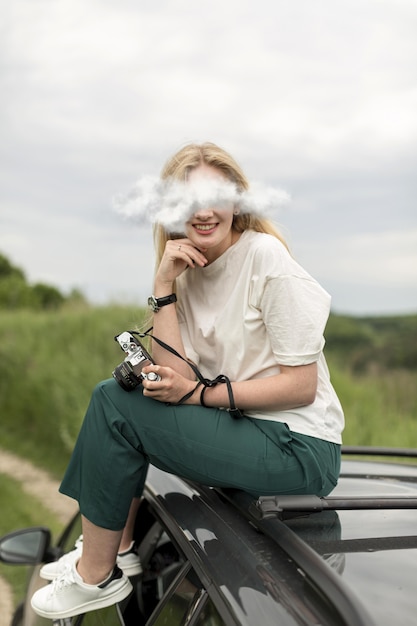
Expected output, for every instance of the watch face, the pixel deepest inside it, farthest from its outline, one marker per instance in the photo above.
(153, 303)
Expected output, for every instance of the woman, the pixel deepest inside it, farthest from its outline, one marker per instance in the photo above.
(230, 299)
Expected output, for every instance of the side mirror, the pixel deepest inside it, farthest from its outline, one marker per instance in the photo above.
(26, 547)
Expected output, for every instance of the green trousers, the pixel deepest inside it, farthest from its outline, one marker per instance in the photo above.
(123, 433)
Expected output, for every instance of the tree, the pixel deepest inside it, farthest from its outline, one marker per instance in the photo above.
(7, 269)
(46, 297)
(16, 293)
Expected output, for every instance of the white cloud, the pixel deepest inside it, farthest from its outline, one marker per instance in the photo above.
(316, 97)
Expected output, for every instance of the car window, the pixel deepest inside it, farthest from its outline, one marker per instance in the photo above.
(176, 610)
(109, 616)
(161, 562)
(169, 591)
(209, 616)
(187, 603)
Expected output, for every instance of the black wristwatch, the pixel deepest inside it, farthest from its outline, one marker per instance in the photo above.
(157, 303)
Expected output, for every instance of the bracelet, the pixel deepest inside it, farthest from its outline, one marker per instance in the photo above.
(233, 410)
(202, 396)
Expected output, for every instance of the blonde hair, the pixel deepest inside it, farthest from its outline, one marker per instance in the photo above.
(190, 157)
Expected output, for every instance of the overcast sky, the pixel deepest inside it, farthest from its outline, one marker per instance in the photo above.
(317, 97)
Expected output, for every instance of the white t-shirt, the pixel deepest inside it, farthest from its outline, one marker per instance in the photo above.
(252, 309)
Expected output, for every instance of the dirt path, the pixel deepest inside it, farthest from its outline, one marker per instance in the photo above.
(38, 484)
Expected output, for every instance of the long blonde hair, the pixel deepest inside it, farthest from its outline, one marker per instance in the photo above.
(190, 157)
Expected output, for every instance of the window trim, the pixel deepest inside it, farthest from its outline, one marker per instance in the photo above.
(192, 559)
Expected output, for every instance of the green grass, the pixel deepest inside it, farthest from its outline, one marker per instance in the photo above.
(380, 408)
(19, 510)
(49, 364)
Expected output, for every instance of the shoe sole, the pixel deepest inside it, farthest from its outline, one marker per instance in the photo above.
(102, 603)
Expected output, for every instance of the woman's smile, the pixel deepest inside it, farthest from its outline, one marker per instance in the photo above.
(205, 228)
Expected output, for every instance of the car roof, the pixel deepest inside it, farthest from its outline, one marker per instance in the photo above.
(378, 546)
(357, 560)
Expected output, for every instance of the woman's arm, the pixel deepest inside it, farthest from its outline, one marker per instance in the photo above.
(293, 387)
(180, 255)
(166, 328)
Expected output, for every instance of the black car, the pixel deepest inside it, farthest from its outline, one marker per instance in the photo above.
(214, 557)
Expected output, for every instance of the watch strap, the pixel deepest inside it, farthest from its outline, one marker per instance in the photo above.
(157, 303)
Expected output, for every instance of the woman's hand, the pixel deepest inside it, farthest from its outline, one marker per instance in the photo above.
(295, 386)
(171, 388)
(179, 254)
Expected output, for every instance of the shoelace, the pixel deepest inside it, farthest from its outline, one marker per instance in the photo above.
(66, 579)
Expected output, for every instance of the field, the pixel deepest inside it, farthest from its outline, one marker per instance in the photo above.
(373, 362)
(50, 361)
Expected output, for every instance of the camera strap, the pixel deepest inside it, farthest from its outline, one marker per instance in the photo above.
(206, 382)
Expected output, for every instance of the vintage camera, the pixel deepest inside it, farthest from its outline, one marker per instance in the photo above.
(129, 373)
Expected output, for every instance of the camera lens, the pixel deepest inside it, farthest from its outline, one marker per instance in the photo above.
(126, 377)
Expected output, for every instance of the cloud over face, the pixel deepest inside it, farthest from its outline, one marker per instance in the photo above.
(172, 203)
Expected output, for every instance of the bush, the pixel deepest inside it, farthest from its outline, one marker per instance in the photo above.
(7, 269)
(46, 297)
(16, 293)
(373, 344)
(49, 364)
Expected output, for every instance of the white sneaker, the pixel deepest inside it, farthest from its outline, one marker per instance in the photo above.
(56, 568)
(68, 595)
(128, 561)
